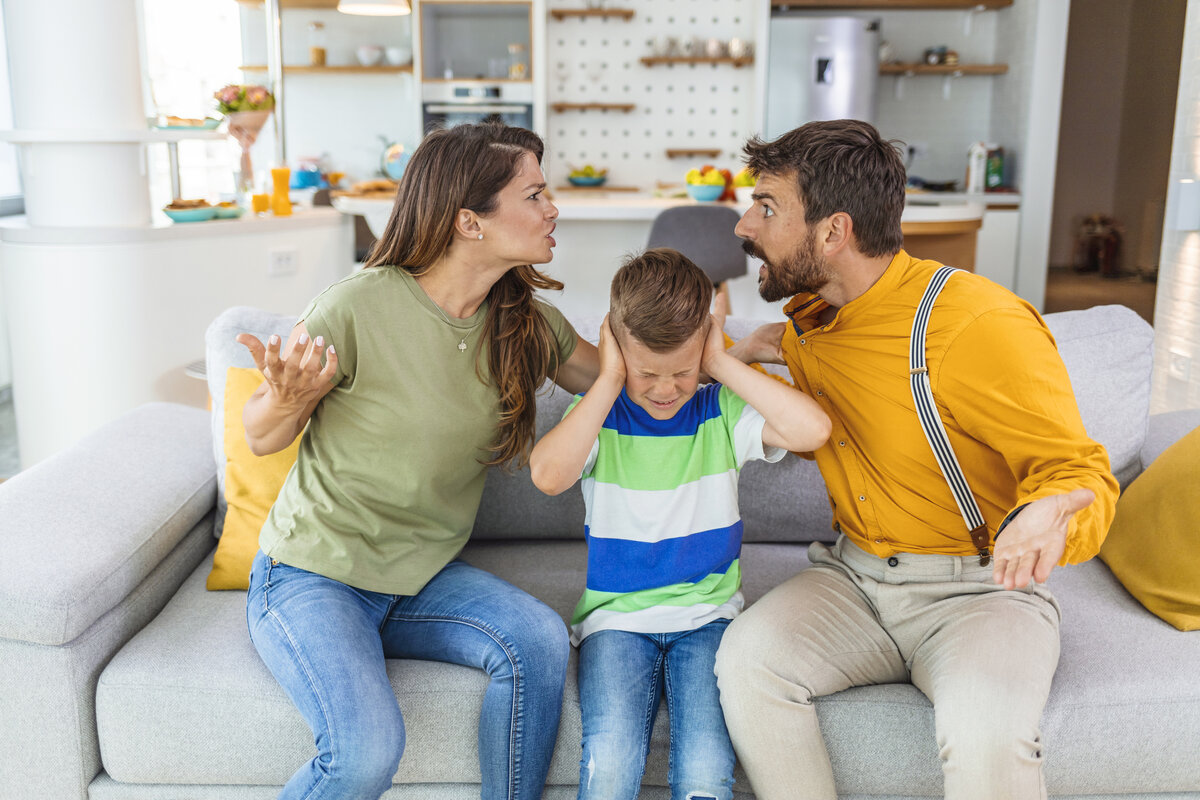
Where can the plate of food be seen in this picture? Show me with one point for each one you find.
(187, 124)
(228, 210)
(189, 210)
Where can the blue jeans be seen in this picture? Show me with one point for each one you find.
(622, 675)
(325, 642)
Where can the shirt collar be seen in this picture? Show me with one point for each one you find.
(803, 309)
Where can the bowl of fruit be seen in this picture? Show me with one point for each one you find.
(707, 184)
(588, 176)
(743, 185)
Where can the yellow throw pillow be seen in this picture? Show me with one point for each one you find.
(251, 485)
(1153, 546)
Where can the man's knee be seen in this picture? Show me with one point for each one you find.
(611, 766)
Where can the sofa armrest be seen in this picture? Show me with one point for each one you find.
(1165, 429)
(85, 527)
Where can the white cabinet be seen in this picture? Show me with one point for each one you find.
(996, 245)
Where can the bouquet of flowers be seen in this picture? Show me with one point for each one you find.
(240, 97)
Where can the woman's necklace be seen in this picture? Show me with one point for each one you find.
(462, 344)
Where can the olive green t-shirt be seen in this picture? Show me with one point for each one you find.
(388, 478)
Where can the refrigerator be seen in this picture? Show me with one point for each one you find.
(820, 68)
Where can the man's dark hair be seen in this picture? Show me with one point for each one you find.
(841, 165)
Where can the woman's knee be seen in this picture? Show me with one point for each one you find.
(535, 647)
(360, 759)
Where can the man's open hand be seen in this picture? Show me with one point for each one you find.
(1032, 544)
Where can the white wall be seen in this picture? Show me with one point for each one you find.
(1176, 381)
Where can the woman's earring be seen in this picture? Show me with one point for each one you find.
(481, 236)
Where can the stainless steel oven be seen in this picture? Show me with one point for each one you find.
(450, 103)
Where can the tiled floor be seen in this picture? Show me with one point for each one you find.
(1065, 290)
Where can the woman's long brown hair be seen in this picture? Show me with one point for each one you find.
(466, 167)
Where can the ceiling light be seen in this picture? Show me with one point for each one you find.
(375, 8)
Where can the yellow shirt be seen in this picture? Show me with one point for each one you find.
(1001, 390)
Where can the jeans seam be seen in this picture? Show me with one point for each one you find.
(518, 691)
(652, 706)
(311, 684)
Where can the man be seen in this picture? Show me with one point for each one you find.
(909, 592)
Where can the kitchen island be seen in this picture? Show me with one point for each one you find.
(596, 230)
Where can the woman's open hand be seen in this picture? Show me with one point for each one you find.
(295, 379)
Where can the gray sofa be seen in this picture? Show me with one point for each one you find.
(122, 678)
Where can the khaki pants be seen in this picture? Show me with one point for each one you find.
(984, 657)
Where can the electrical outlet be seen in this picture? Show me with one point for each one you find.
(1178, 365)
(281, 261)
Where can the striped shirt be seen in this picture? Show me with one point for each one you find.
(662, 523)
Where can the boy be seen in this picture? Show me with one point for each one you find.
(659, 458)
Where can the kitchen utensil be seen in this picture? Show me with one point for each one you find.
(740, 48)
(715, 48)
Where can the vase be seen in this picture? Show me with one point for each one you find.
(244, 126)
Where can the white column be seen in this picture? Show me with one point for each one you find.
(75, 68)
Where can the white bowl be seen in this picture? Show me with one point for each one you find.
(369, 54)
(398, 56)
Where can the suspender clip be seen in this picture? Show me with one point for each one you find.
(979, 536)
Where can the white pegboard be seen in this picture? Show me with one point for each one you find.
(678, 106)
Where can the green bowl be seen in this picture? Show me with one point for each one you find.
(583, 180)
(229, 212)
(191, 214)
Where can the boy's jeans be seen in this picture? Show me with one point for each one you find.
(622, 675)
(326, 642)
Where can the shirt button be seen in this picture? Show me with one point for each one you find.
(801, 341)
(893, 562)
(837, 526)
(862, 498)
(820, 393)
(879, 541)
(842, 444)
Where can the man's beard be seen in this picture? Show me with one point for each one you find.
(803, 271)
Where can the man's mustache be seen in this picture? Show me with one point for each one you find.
(751, 250)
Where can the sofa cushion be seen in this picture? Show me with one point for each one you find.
(1153, 545)
(251, 485)
(1108, 352)
(221, 351)
(230, 722)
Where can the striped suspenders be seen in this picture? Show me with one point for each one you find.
(931, 422)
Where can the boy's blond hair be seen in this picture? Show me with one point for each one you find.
(660, 298)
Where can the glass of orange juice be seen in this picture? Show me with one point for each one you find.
(260, 203)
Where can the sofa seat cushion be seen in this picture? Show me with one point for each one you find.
(188, 701)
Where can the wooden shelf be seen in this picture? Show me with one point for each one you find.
(332, 4)
(942, 69)
(602, 188)
(564, 13)
(344, 69)
(650, 61)
(708, 152)
(893, 5)
(560, 107)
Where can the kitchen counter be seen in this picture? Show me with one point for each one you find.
(632, 207)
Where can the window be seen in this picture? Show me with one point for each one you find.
(192, 49)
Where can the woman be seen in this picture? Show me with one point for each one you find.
(434, 352)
